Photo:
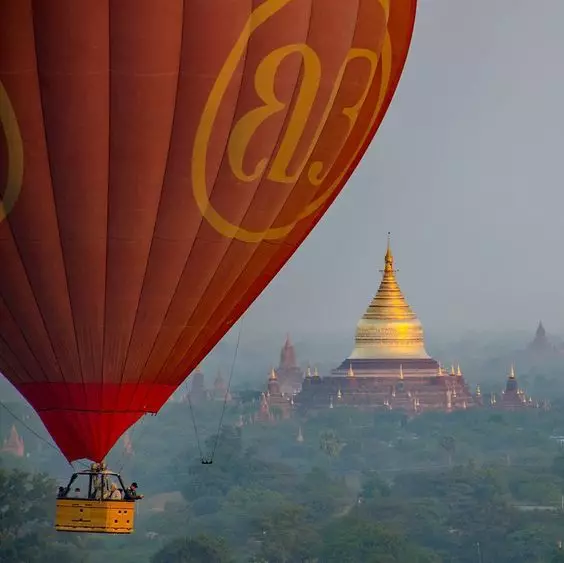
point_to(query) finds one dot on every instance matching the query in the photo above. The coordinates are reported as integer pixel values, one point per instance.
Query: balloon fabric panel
(160, 160)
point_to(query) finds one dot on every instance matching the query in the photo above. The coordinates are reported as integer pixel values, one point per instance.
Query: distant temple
(389, 366)
(198, 391)
(220, 390)
(128, 445)
(541, 344)
(13, 444)
(274, 405)
(288, 372)
(513, 397)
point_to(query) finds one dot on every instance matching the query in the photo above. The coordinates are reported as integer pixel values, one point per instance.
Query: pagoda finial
(401, 371)
(452, 372)
(512, 372)
(478, 391)
(440, 372)
(351, 372)
(315, 372)
(389, 258)
(273, 376)
(458, 370)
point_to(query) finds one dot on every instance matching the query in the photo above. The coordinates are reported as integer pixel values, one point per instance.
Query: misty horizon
(464, 172)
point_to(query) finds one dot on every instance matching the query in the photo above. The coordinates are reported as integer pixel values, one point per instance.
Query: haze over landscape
(466, 173)
(334, 443)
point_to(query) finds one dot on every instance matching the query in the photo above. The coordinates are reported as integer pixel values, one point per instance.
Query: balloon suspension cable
(32, 431)
(194, 423)
(209, 460)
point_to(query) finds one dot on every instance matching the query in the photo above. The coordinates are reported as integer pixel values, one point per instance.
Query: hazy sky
(466, 171)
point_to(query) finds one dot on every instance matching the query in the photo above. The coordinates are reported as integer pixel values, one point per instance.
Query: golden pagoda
(389, 334)
(389, 328)
(389, 366)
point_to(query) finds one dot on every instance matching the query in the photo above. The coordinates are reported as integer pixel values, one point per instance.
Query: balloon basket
(95, 516)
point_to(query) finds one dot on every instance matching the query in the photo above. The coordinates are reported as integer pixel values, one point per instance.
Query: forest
(342, 486)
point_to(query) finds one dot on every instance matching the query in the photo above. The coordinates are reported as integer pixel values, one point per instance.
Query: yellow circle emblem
(247, 125)
(11, 131)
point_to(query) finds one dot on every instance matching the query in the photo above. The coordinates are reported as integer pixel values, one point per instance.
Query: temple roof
(219, 382)
(354, 367)
(540, 342)
(389, 302)
(389, 329)
(288, 359)
(13, 443)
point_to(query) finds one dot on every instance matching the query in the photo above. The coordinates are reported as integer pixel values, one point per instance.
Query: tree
(286, 536)
(374, 486)
(448, 444)
(330, 443)
(350, 539)
(27, 505)
(201, 549)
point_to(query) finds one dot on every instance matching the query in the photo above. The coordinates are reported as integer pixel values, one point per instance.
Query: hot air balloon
(160, 161)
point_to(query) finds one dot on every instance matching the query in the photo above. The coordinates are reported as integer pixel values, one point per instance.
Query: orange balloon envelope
(160, 160)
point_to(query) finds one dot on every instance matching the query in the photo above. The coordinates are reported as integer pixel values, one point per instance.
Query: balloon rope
(194, 423)
(36, 434)
(225, 399)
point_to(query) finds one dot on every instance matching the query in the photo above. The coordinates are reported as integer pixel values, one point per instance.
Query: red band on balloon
(102, 412)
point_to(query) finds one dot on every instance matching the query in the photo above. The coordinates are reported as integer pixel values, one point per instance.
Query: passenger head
(134, 485)
(113, 487)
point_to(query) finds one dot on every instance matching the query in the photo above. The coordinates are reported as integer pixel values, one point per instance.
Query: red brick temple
(288, 373)
(274, 405)
(13, 444)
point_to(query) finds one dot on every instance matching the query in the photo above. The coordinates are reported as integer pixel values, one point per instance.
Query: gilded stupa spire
(389, 328)
(273, 376)
(512, 372)
(389, 302)
(389, 257)
(458, 370)
(401, 372)
(440, 371)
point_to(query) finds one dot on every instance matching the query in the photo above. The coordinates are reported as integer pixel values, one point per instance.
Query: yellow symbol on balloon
(245, 128)
(11, 130)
